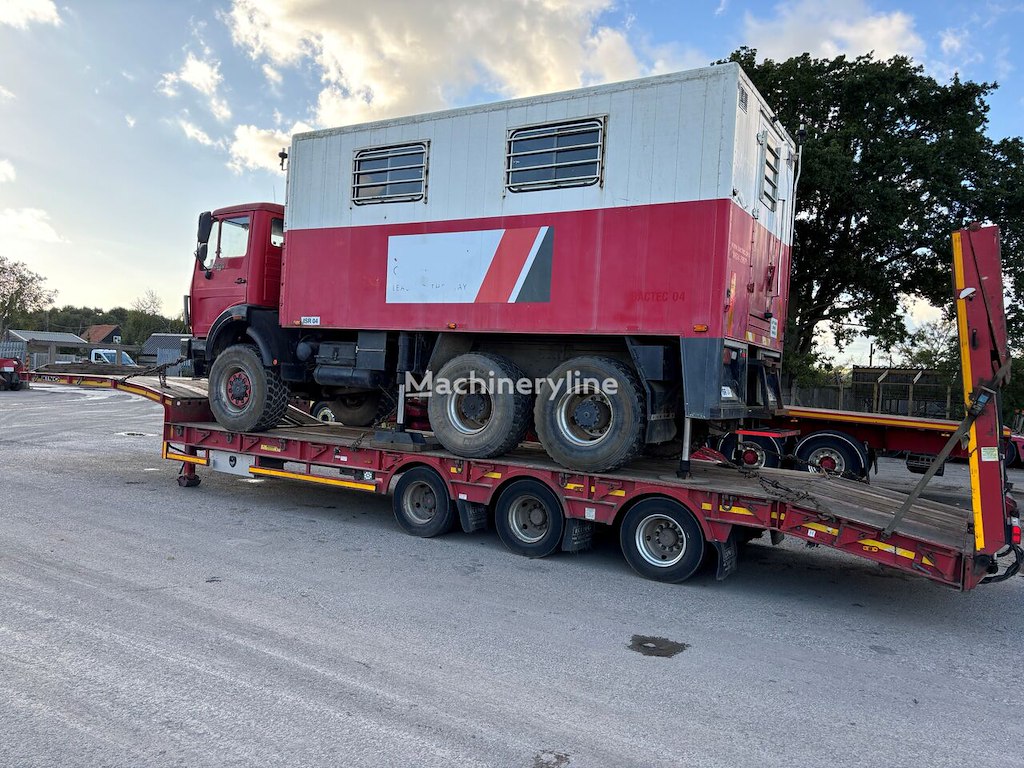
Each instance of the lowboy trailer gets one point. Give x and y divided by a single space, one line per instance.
667 523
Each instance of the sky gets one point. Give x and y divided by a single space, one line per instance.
121 121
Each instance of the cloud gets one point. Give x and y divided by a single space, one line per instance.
21 13
829 28
6 95
256 148
202 75
391 58
197 134
6 171
28 225
273 76
951 42
130 120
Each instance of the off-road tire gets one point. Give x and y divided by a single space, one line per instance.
625 437
509 418
267 399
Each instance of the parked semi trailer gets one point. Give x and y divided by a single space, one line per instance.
667 524
848 442
636 234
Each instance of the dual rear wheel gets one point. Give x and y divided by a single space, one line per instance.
589 413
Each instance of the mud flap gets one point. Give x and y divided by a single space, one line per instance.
728 560
472 516
579 535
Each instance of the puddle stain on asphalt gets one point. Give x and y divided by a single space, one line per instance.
656 646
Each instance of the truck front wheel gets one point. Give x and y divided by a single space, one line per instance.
246 396
590 414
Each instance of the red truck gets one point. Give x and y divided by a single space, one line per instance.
611 262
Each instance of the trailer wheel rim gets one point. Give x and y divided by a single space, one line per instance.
660 541
470 413
238 388
753 455
528 519
420 503
584 415
826 459
326 415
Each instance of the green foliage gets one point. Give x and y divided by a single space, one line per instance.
933 346
21 292
893 163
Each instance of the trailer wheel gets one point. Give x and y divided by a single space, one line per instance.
661 540
832 453
1012 456
483 419
581 426
245 396
529 518
422 505
755 451
355 410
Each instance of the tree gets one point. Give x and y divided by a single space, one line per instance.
21 292
145 319
933 346
893 163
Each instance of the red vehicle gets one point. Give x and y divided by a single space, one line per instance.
666 524
12 374
622 249
847 442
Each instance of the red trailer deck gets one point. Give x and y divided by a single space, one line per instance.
717 507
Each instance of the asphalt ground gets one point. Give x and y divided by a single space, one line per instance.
266 623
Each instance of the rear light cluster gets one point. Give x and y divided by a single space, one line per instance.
1015 530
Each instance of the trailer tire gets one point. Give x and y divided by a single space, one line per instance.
529 518
764 452
355 410
591 431
662 540
1012 458
834 452
421 503
476 424
246 396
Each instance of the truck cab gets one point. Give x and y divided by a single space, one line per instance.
237 269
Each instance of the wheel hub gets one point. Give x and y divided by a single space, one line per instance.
660 541
239 389
750 457
474 406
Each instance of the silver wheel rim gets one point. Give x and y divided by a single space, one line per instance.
464 423
816 456
326 415
758 450
420 503
528 519
565 410
660 540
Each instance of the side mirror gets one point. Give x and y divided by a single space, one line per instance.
201 252
205 227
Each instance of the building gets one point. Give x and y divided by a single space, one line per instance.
161 348
103 334
45 347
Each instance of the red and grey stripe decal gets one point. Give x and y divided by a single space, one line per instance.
521 269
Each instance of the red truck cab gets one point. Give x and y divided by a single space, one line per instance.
238 268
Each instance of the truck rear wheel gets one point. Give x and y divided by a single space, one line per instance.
529 518
584 427
422 505
476 410
662 541
246 396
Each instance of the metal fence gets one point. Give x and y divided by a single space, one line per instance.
897 391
